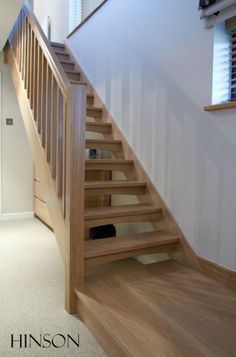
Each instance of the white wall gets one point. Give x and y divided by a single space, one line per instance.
88 6
16 195
8 15
58 10
151 63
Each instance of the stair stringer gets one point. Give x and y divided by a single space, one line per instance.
185 254
43 170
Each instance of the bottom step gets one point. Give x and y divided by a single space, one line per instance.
106 250
162 309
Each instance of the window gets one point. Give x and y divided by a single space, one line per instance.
221 65
75 14
221 15
231 28
224 62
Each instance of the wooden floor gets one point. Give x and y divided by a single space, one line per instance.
162 309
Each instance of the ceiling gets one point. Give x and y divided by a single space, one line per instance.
9 10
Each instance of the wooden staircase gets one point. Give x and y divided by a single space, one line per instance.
147 208
64 118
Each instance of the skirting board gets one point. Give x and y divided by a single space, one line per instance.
14 216
218 273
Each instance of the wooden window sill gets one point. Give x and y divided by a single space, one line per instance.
222 106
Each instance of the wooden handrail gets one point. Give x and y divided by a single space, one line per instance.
54 113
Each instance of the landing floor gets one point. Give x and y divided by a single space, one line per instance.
162 309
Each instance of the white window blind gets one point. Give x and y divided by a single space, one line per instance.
233 66
221 65
75 14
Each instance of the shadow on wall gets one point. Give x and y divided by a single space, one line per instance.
189 154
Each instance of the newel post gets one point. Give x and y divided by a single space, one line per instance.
74 210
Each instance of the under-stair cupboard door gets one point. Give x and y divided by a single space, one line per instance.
40 205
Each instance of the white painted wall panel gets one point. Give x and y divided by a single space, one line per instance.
151 63
16 192
88 6
8 15
58 11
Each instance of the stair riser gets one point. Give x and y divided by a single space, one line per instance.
116 191
93 113
148 217
73 76
98 129
68 66
104 146
168 248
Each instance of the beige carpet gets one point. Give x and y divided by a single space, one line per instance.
31 292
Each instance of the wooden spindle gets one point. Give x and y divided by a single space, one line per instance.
36 59
20 40
43 103
39 84
17 58
27 53
32 55
54 104
49 114
24 49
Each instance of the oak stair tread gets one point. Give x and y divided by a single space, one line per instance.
71 71
94 112
69 61
108 141
115 187
131 242
109 161
105 128
94 108
73 75
73 81
123 213
109 165
103 144
123 183
61 52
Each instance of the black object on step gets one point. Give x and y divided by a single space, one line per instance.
92 154
106 231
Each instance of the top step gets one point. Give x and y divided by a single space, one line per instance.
57 45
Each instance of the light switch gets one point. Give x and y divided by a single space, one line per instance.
9 121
